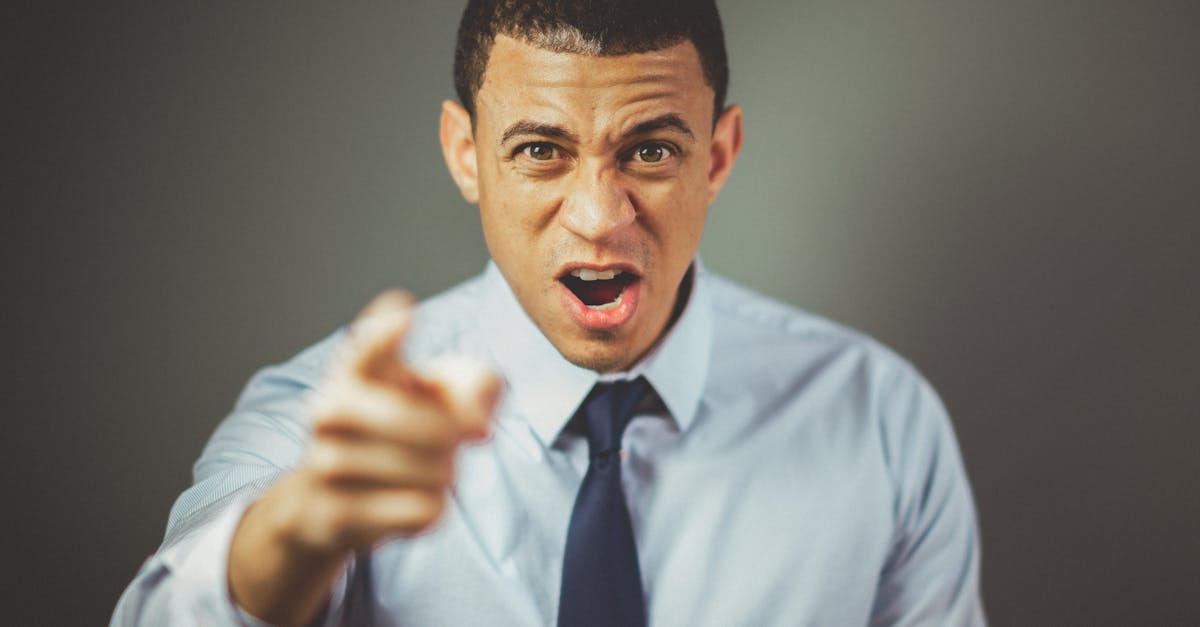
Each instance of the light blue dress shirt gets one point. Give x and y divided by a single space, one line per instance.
789 472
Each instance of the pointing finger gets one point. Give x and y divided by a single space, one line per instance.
370 410
375 339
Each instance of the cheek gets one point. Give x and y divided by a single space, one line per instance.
528 209
674 212
693 204
498 227
503 235
512 228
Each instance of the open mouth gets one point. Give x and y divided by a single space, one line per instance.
599 290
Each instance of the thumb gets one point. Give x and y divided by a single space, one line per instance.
472 389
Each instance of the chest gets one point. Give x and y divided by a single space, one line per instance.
770 525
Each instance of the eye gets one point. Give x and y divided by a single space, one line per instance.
538 151
652 152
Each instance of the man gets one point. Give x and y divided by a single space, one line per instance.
768 467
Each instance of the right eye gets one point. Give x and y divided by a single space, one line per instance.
538 151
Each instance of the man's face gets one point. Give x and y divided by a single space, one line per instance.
593 177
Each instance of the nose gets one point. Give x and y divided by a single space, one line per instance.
597 206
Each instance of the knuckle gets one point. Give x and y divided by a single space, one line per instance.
339 521
323 414
335 421
420 509
439 433
443 471
440 443
320 457
325 459
431 505
430 511
342 515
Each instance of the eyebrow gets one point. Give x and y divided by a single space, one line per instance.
667 121
670 121
529 127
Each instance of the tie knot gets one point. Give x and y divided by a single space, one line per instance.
608 410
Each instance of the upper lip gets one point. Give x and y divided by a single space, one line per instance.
568 268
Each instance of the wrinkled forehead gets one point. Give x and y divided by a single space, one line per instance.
523 80
565 38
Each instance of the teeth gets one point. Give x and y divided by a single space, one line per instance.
594 275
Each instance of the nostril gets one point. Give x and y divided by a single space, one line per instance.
595 218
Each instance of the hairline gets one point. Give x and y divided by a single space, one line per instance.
558 43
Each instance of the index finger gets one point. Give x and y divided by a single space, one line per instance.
375 339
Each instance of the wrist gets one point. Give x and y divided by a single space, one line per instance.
275 571
289 525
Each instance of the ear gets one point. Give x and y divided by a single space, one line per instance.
726 144
458 147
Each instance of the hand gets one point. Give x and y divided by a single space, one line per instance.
384 438
379 464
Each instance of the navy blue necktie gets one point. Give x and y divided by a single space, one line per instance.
601 581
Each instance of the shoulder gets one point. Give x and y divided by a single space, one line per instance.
778 335
823 382
761 315
785 355
439 323
447 322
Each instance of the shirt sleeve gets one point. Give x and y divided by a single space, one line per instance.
184 582
931 576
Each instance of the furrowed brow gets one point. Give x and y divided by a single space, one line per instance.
529 127
669 121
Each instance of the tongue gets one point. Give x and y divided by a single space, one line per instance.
598 292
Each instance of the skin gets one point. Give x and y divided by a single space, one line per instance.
575 183
602 194
379 464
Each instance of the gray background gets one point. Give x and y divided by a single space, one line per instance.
1004 192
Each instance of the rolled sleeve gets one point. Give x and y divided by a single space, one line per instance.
185 583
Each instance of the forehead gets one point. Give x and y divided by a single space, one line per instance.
523 81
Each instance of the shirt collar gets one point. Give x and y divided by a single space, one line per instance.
546 389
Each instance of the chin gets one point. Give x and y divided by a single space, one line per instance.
599 356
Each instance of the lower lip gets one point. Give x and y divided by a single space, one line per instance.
605 320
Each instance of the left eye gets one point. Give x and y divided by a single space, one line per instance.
652 153
539 151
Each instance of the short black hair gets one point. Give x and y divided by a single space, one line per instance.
597 27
